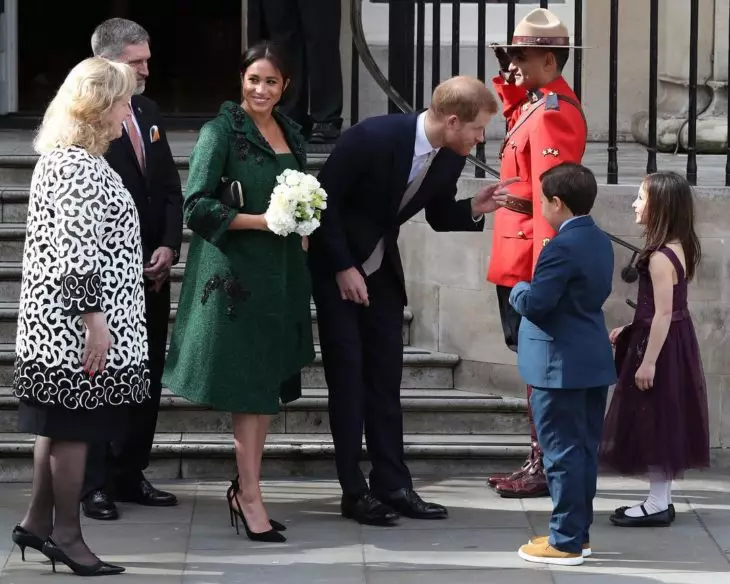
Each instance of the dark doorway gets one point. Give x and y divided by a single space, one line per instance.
196 47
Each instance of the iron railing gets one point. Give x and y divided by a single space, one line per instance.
361 48
407 68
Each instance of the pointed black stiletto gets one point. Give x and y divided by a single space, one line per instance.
231 493
271 536
24 538
56 554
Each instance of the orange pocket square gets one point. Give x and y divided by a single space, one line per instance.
154 134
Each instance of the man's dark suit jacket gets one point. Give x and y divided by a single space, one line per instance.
365 178
157 193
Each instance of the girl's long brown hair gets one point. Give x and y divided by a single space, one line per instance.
670 217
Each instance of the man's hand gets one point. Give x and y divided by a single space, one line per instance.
502 57
352 286
158 270
491 198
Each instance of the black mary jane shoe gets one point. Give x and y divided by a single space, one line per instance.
56 554
661 519
24 538
622 510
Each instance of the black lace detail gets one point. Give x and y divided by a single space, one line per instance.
244 150
237 114
212 218
233 288
250 131
81 293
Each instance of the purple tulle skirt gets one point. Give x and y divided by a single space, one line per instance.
663 429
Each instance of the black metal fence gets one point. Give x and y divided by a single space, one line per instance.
407 67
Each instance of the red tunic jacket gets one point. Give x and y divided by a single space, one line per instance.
552 134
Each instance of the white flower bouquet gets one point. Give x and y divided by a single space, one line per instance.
296 204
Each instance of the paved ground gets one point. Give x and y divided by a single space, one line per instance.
194 543
631 157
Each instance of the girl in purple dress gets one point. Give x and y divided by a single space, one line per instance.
657 422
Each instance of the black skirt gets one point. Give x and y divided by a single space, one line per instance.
102 424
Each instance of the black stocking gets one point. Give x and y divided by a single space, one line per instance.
39 517
68 464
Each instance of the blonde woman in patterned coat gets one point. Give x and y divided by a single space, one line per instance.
81 346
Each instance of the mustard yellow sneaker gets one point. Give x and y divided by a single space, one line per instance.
539 539
544 553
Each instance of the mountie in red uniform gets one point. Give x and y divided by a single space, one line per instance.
545 128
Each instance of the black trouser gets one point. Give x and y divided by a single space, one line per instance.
123 461
310 33
509 317
511 327
362 353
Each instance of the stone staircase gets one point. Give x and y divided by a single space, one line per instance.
447 430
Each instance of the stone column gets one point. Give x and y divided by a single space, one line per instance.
673 88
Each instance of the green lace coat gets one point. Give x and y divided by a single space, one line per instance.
243 330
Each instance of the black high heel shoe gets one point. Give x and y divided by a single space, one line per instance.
271 536
231 493
55 553
24 538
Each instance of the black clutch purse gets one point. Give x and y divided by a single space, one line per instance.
230 193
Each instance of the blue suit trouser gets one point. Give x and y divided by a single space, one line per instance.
569 425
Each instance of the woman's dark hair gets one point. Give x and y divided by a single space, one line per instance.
671 216
272 52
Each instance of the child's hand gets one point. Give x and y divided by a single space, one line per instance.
613 335
644 377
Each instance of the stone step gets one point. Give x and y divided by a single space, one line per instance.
16 171
425 411
211 456
421 369
9 322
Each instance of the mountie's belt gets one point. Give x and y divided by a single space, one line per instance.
518 205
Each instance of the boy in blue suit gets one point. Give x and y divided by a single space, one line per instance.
565 355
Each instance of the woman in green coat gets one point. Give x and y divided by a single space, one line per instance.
243 331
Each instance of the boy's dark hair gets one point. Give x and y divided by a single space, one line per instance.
572 183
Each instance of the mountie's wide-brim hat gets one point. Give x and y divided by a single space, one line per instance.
541 28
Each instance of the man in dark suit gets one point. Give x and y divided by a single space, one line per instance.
565 355
383 171
143 159
310 31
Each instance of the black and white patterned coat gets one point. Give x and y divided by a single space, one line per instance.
82 254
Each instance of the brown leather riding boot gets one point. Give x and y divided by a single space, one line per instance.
531 483
502 477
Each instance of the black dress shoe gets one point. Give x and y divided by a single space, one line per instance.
143 493
367 510
98 505
409 504
661 519
324 133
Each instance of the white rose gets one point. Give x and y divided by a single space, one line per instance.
292 179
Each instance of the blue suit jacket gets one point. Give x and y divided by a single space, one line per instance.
365 178
563 341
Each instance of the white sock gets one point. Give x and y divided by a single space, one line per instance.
660 495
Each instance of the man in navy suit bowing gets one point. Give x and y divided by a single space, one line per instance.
382 172
565 355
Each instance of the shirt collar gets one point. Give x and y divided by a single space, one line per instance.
573 218
422 145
